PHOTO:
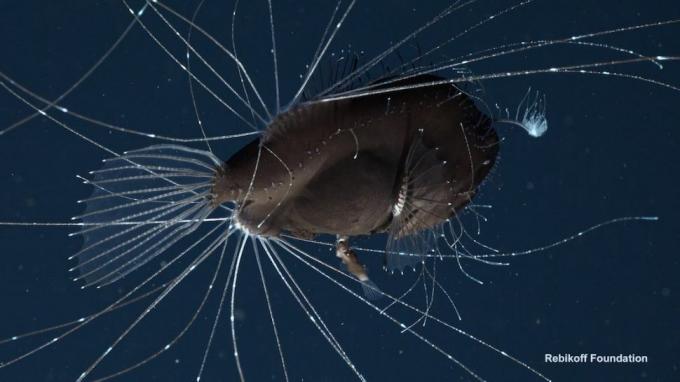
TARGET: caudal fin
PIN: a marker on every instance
(143, 203)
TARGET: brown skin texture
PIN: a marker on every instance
(337, 167)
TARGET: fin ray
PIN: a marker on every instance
(143, 203)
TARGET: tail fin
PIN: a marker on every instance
(144, 202)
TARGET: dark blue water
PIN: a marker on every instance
(611, 151)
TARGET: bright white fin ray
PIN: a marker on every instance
(170, 344)
(224, 82)
(501, 253)
(576, 69)
(172, 285)
(190, 81)
(380, 57)
(401, 69)
(307, 306)
(241, 75)
(321, 52)
(279, 346)
(198, 81)
(73, 86)
(115, 305)
(514, 48)
(95, 122)
(230, 275)
(308, 260)
(232, 57)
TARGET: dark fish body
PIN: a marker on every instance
(403, 161)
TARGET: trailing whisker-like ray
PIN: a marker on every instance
(81, 224)
(243, 240)
(404, 67)
(575, 236)
(210, 67)
(274, 58)
(72, 323)
(467, 254)
(457, 249)
(172, 285)
(279, 346)
(429, 299)
(319, 48)
(405, 293)
(480, 244)
(194, 77)
(573, 69)
(407, 69)
(289, 186)
(80, 80)
(502, 253)
(608, 73)
(446, 293)
(96, 122)
(522, 46)
(519, 47)
(169, 344)
(321, 52)
(497, 253)
(218, 313)
(307, 259)
(460, 251)
(306, 305)
(241, 75)
(478, 216)
(240, 67)
(465, 234)
(190, 82)
(394, 47)
(118, 302)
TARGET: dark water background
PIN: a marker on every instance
(611, 150)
